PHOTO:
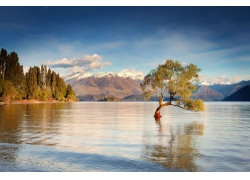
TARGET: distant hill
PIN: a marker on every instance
(96, 87)
(139, 97)
(241, 95)
(227, 90)
(135, 97)
(207, 94)
(126, 87)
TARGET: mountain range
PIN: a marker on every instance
(126, 87)
(102, 85)
(241, 95)
(217, 92)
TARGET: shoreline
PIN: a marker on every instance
(32, 102)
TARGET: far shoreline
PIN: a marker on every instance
(34, 102)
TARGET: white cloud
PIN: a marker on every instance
(131, 73)
(75, 69)
(205, 83)
(25, 69)
(220, 79)
(81, 64)
(184, 64)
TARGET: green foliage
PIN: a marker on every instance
(8, 91)
(147, 95)
(3, 57)
(70, 94)
(31, 80)
(193, 105)
(38, 83)
(176, 80)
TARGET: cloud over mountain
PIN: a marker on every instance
(131, 73)
(80, 64)
(219, 79)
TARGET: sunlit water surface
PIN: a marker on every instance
(123, 136)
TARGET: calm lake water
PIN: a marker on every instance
(124, 136)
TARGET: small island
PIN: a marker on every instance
(112, 98)
(39, 84)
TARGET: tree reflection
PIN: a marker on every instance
(10, 127)
(28, 124)
(178, 150)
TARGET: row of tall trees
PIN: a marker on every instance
(38, 83)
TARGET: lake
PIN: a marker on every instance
(124, 137)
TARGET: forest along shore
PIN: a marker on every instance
(38, 83)
(33, 102)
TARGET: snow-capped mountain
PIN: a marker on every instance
(79, 75)
(204, 83)
(101, 74)
(125, 84)
(88, 86)
(127, 74)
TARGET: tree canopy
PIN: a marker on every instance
(176, 80)
(38, 83)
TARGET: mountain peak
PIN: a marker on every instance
(207, 94)
(79, 75)
(240, 95)
(102, 74)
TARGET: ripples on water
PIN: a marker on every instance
(123, 136)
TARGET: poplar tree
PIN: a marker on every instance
(31, 80)
(43, 80)
(37, 83)
(11, 68)
(3, 57)
(20, 83)
(70, 93)
(48, 79)
(38, 77)
(53, 83)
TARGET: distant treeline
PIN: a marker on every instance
(38, 83)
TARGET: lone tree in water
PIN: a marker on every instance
(176, 80)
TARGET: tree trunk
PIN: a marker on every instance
(158, 110)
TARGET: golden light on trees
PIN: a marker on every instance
(176, 80)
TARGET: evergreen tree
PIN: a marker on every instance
(3, 57)
(43, 77)
(70, 94)
(37, 83)
(48, 79)
(21, 83)
(12, 71)
(31, 81)
(8, 92)
(11, 68)
(53, 83)
(60, 90)
(38, 77)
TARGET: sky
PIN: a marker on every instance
(133, 38)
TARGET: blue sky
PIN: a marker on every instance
(102, 39)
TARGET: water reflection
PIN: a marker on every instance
(9, 132)
(41, 122)
(111, 136)
(175, 149)
(27, 124)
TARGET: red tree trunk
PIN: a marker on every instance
(157, 112)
